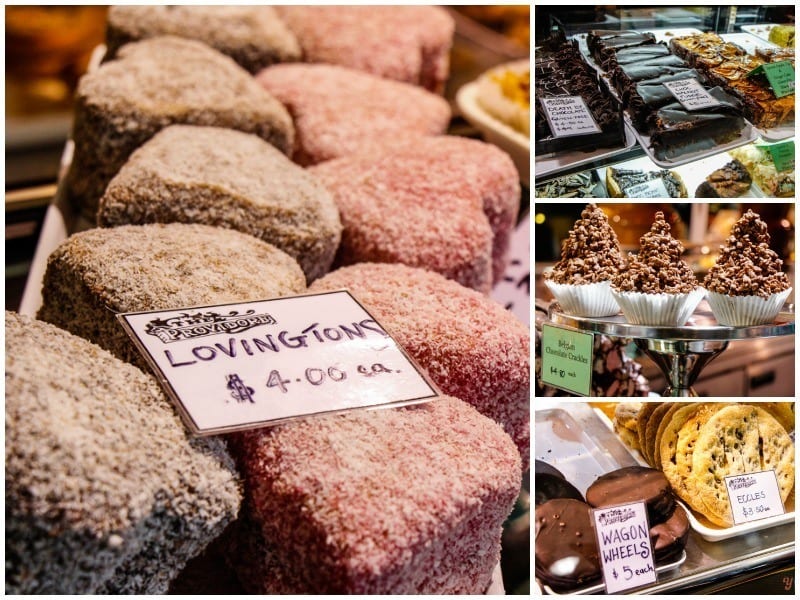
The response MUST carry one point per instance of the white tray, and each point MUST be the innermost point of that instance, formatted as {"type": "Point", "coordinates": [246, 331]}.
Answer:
{"type": "Point", "coordinates": [760, 30]}
{"type": "Point", "coordinates": [706, 530]}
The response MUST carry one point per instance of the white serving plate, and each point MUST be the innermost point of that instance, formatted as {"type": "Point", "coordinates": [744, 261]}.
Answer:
{"type": "Point", "coordinates": [515, 143]}
{"type": "Point", "coordinates": [704, 528]}
{"type": "Point", "coordinates": [760, 30]}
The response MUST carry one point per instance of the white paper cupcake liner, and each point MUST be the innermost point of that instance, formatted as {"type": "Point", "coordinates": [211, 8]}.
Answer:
{"type": "Point", "coordinates": [745, 311]}
{"type": "Point", "coordinates": [667, 310]}
{"type": "Point", "coordinates": [586, 300]}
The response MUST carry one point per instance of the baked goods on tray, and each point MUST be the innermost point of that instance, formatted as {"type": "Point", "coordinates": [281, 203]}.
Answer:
{"type": "Point", "coordinates": [639, 69]}
{"type": "Point", "coordinates": [561, 72]}
{"type": "Point", "coordinates": [226, 178]}
{"type": "Point", "coordinates": [700, 443]}
{"type": "Point", "coordinates": [154, 83]}
{"type": "Point", "coordinates": [620, 181]}
{"type": "Point", "coordinates": [727, 65]}
{"type": "Point", "coordinates": [339, 111]}
{"type": "Point", "coordinates": [436, 321]}
{"type": "Point", "coordinates": [105, 490]}
{"type": "Point", "coordinates": [505, 93]}
{"type": "Point", "coordinates": [761, 167]}
{"type": "Point", "coordinates": [444, 203]}
{"type": "Point", "coordinates": [396, 501]}
{"type": "Point", "coordinates": [405, 43]}
{"type": "Point", "coordinates": [254, 36]}
{"type": "Point", "coordinates": [729, 181]}
{"type": "Point", "coordinates": [96, 273]}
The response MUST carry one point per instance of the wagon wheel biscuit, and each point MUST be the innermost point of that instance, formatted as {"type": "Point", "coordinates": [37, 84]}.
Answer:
{"type": "Point", "coordinates": [687, 438]}
{"type": "Point", "coordinates": [728, 444]}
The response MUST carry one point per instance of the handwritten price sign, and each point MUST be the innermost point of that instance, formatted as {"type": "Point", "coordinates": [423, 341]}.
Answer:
{"type": "Point", "coordinates": [248, 365]}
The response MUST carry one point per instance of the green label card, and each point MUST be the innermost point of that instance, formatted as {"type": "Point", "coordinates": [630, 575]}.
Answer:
{"type": "Point", "coordinates": [567, 359]}
{"type": "Point", "coordinates": [780, 76]}
{"type": "Point", "coordinates": [782, 155]}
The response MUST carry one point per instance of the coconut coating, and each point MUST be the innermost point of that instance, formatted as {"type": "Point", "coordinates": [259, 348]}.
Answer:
{"type": "Point", "coordinates": [100, 472]}
{"type": "Point", "coordinates": [337, 110]}
{"type": "Point", "coordinates": [154, 83]}
{"type": "Point", "coordinates": [254, 36]}
{"type": "Point", "coordinates": [393, 501]}
{"type": "Point", "coordinates": [444, 203]}
{"type": "Point", "coordinates": [404, 43]}
{"type": "Point", "coordinates": [96, 273]}
{"type": "Point", "coordinates": [472, 347]}
{"type": "Point", "coordinates": [230, 179]}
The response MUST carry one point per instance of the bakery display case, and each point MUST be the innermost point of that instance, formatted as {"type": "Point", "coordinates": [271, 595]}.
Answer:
{"type": "Point", "coordinates": [692, 102]}
{"type": "Point", "coordinates": [589, 456]}
{"type": "Point", "coordinates": [697, 330]}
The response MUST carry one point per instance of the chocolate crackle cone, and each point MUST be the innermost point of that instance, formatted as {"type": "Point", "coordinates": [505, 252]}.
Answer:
{"type": "Point", "coordinates": [658, 288]}
{"type": "Point", "coordinates": [590, 258]}
{"type": "Point", "coordinates": [747, 286]}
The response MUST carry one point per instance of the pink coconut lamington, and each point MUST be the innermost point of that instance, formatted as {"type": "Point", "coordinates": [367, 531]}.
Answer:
{"type": "Point", "coordinates": [591, 253]}
{"type": "Point", "coordinates": [444, 203]}
{"type": "Point", "coordinates": [336, 110]}
{"type": "Point", "coordinates": [405, 43]}
{"type": "Point", "coordinates": [747, 266]}
{"type": "Point", "coordinates": [394, 501]}
{"type": "Point", "coordinates": [658, 267]}
{"type": "Point", "coordinates": [472, 347]}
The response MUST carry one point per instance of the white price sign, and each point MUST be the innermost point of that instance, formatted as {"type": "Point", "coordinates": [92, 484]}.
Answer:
{"type": "Point", "coordinates": [691, 94]}
{"type": "Point", "coordinates": [649, 189]}
{"type": "Point", "coordinates": [754, 496]}
{"type": "Point", "coordinates": [247, 365]}
{"type": "Point", "coordinates": [568, 115]}
{"type": "Point", "coordinates": [626, 553]}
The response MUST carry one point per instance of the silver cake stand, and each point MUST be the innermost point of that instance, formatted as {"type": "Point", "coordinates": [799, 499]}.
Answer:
{"type": "Point", "coordinates": [680, 352]}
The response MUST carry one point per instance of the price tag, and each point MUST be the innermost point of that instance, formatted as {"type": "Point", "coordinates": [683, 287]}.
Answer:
{"type": "Point", "coordinates": [626, 554]}
{"type": "Point", "coordinates": [567, 359]}
{"type": "Point", "coordinates": [782, 155]}
{"type": "Point", "coordinates": [251, 364]}
{"type": "Point", "coordinates": [568, 115]}
{"type": "Point", "coordinates": [754, 496]}
{"type": "Point", "coordinates": [691, 94]}
{"type": "Point", "coordinates": [649, 189]}
{"type": "Point", "coordinates": [780, 76]}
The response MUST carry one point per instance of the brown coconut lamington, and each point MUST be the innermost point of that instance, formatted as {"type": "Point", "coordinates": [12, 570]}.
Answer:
{"type": "Point", "coordinates": [747, 266]}
{"type": "Point", "coordinates": [394, 501]}
{"type": "Point", "coordinates": [591, 253]}
{"type": "Point", "coordinates": [254, 36]}
{"type": "Point", "coordinates": [152, 84]}
{"type": "Point", "coordinates": [658, 267]}
{"type": "Point", "coordinates": [105, 491]}
{"type": "Point", "coordinates": [95, 274]}
{"type": "Point", "coordinates": [226, 178]}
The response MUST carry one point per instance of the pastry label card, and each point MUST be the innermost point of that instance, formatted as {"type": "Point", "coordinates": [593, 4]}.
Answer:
{"type": "Point", "coordinates": [754, 496]}
{"type": "Point", "coordinates": [691, 94]}
{"type": "Point", "coordinates": [623, 539]}
{"type": "Point", "coordinates": [654, 188]}
{"type": "Point", "coordinates": [567, 359]}
{"type": "Point", "coordinates": [780, 76]}
{"type": "Point", "coordinates": [253, 364]}
{"type": "Point", "coordinates": [568, 115]}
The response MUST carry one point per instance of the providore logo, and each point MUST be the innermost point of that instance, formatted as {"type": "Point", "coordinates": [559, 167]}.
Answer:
{"type": "Point", "coordinates": [186, 326]}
